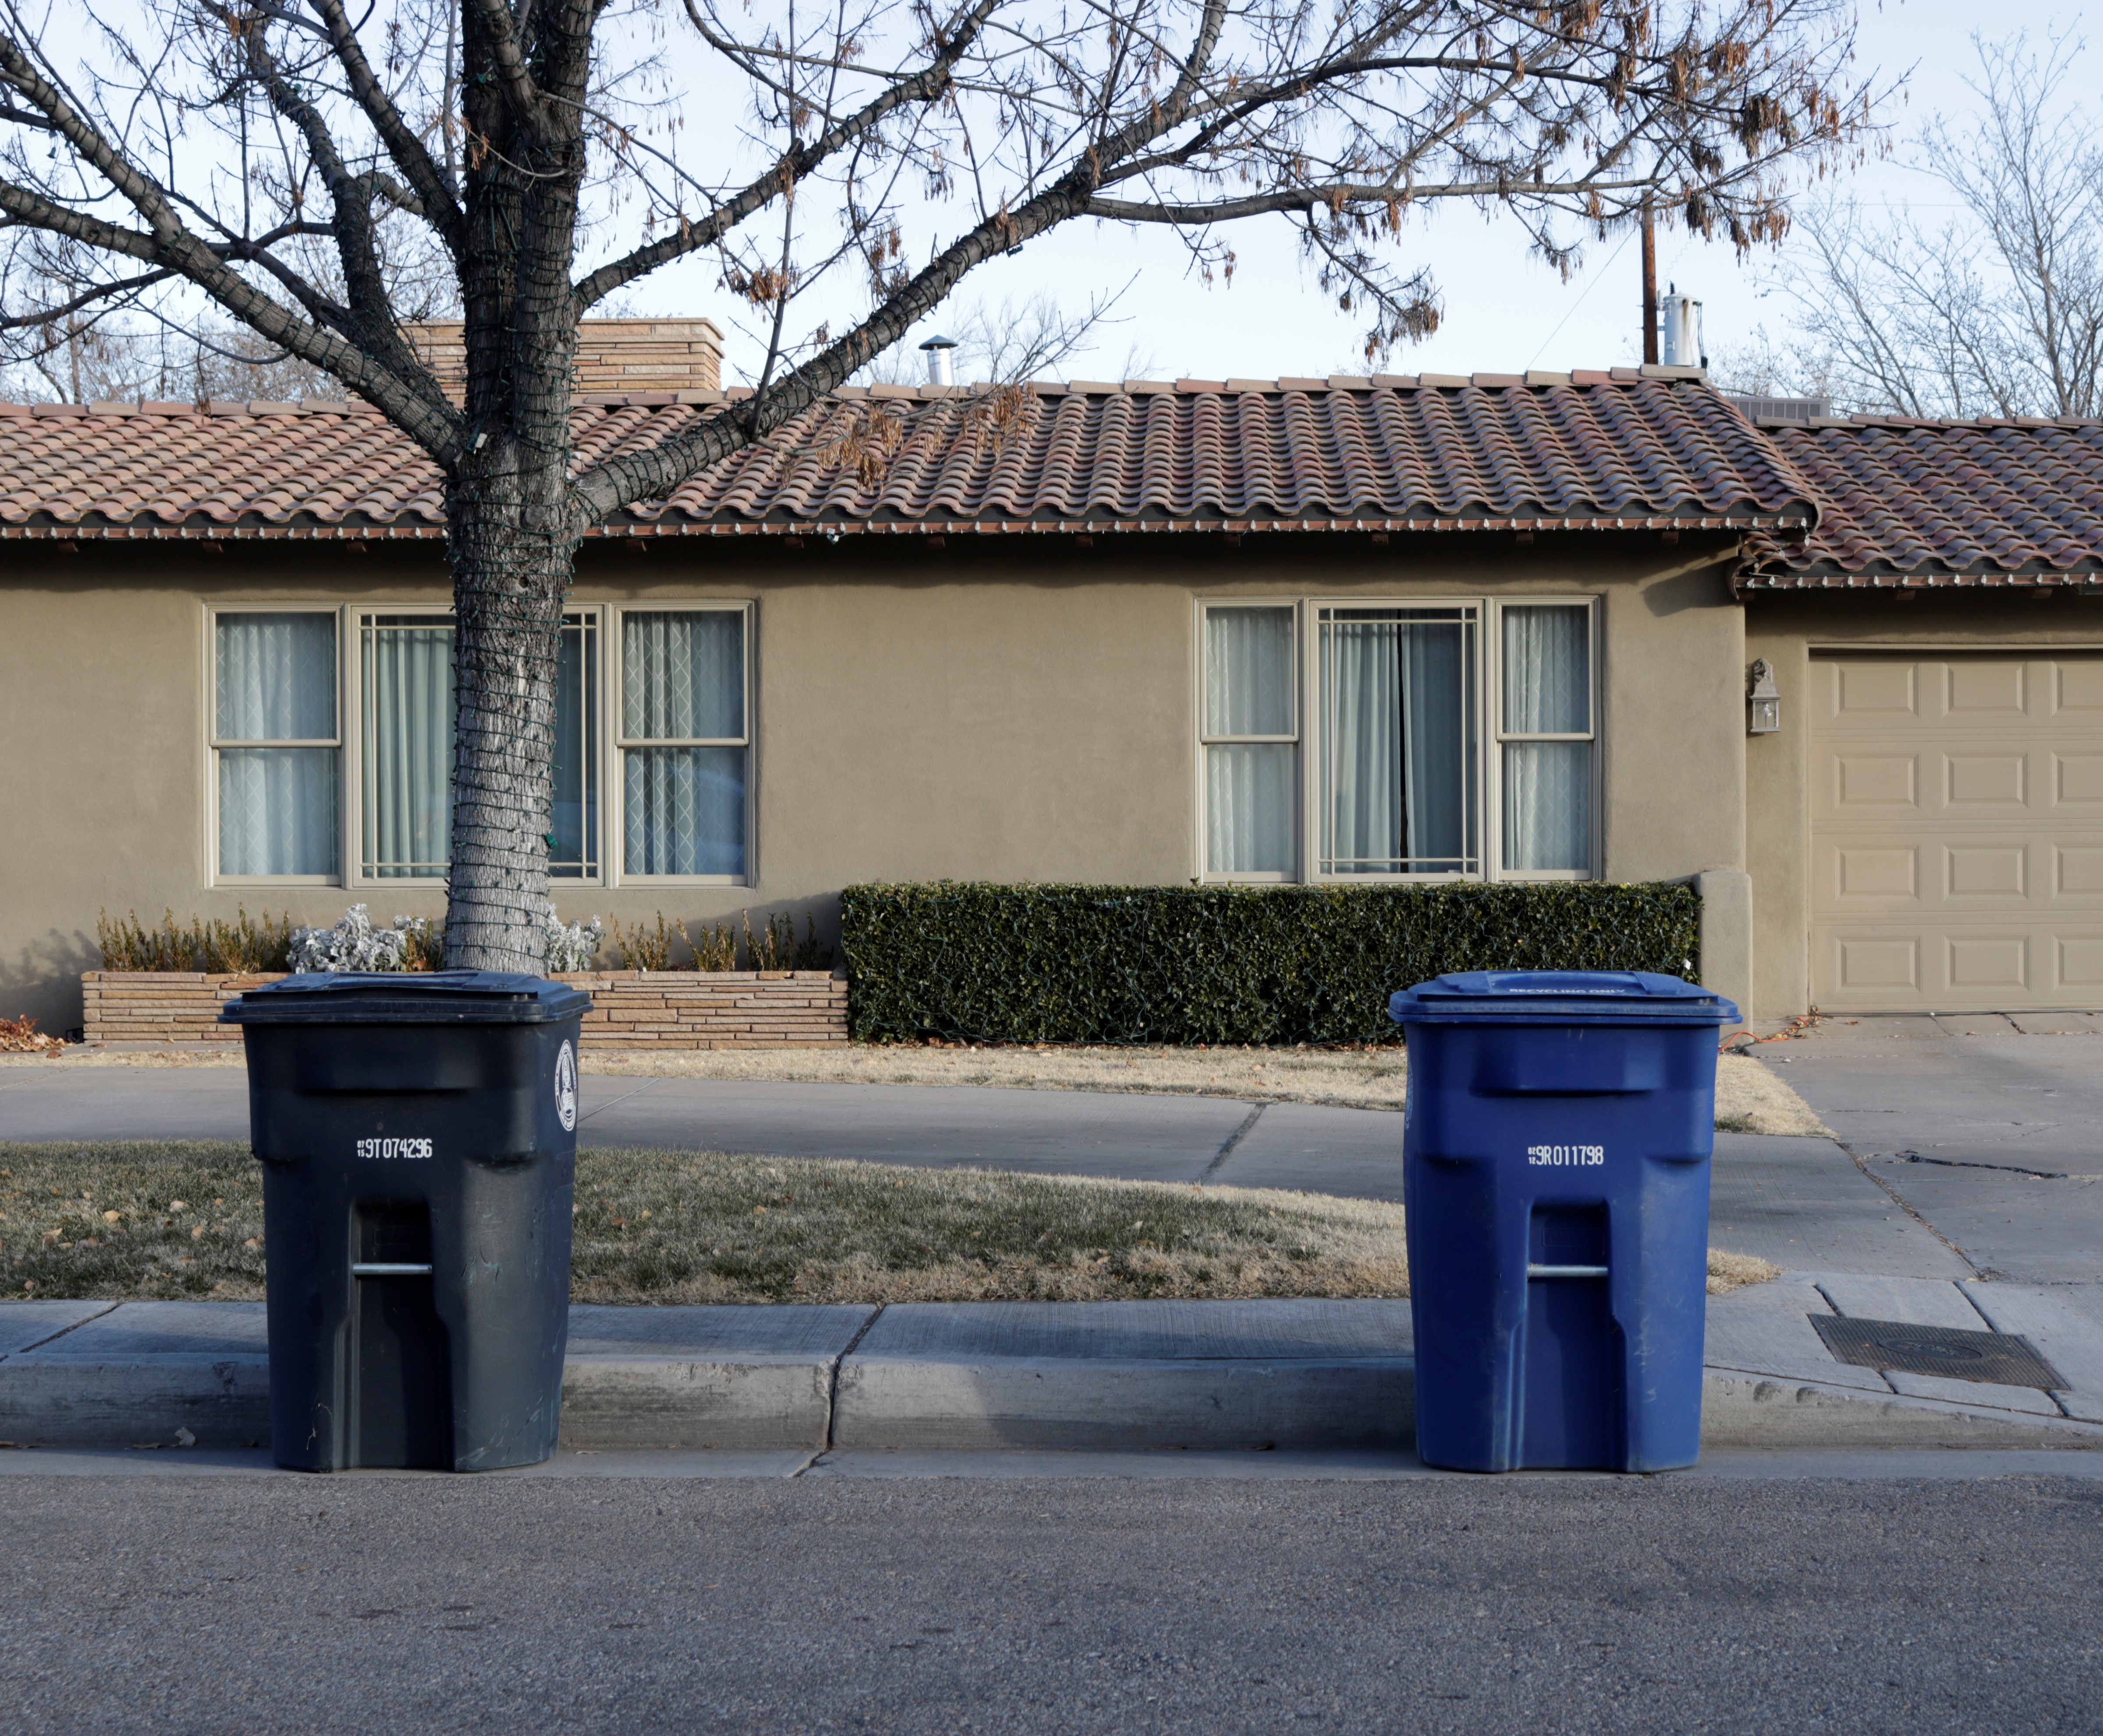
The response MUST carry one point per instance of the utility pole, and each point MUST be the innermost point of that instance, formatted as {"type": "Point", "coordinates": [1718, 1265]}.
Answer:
{"type": "Point", "coordinates": [1650, 280]}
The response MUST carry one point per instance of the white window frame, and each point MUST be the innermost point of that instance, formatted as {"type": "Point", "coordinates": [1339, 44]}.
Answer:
{"type": "Point", "coordinates": [1208, 606]}
{"type": "Point", "coordinates": [1485, 827]}
{"type": "Point", "coordinates": [597, 643]}
{"type": "Point", "coordinates": [213, 742]}
{"type": "Point", "coordinates": [1497, 736]}
{"type": "Point", "coordinates": [613, 864]}
{"type": "Point", "coordinates": [1490, 736]}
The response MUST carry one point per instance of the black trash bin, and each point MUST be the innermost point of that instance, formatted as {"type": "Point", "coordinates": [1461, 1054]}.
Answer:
{"type": "Point", "coordinates": [419, 1136]}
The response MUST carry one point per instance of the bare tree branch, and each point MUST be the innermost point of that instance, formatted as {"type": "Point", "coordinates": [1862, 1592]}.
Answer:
{"type": "Point", "coordinates": [923, 85]}
{"type": "Point", "coordinates": [441, 205]}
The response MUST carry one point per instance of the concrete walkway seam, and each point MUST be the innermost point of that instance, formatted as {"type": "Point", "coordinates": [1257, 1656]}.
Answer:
{"type": "Point", "coordinates": [1898, 1201]}
{"type": "Point", "coordinates": [1234, 1139]}
{"type": "Point", "coordinates": [833, 1394]}
{"type": "Point", "coordinates": [23, 1350]}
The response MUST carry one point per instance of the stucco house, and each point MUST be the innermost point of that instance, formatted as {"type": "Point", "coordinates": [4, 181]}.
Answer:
{"type": "Point", "coordinates": [1399, 628]}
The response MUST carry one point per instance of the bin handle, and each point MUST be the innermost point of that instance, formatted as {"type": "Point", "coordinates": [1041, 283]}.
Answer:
{"type": "Point", "coordinates": [383, 1269]}
{"type": "Point", "coordinates": [1566, 1272]}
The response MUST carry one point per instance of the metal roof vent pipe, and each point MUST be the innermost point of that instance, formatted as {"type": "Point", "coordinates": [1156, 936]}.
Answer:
{"type": "Point", "coordinates": [1679, 330]}
{"type": "Point", "coordinates": [940, 371]}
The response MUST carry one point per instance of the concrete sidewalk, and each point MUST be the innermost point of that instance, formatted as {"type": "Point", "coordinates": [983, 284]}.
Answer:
{"type": "Point", "coordinates": [1104, 1377]}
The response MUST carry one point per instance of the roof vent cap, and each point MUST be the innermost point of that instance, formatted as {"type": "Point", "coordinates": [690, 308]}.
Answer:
{"type": "Point", "coordinates": [940, 371]}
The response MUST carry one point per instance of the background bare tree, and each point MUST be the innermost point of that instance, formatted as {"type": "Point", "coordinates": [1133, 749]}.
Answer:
{"type": "Point", "coordinates": [1035, 338]}
{"type": "Point", "coordinates": [298, 169]}
{"type": "Point", "coordinates": [1998, 311]}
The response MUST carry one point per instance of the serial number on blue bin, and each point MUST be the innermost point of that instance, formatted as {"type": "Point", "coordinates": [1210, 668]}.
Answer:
{"type": "Point", "coordinates": [1558, 1156]}
{"type": "Point", "coordinates": [383, 1150]}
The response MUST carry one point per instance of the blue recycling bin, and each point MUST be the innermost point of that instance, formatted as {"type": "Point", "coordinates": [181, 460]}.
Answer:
{"type": "Point", "coordinates": [1555, 1174]}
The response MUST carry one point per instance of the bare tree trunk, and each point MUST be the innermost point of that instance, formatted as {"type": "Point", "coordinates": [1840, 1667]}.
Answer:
{"type": "Point", "coordinates": [510, 522]}
{"type": "Point", "coordinates": [512, 559]}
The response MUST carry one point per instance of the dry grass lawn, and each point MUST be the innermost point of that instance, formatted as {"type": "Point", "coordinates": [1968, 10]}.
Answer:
{"type": "Point", "coordinates": [184, 1221]}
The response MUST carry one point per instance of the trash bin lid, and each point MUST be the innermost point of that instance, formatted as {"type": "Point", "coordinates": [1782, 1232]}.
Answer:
{"type": "Point", "coordinates": [1560, 998]}
{"type": "Point", "coordinates": [416, 997]}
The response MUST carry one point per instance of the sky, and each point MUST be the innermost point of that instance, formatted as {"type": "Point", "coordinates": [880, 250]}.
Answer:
{"type": "Point", "coordinates": [1503, 310]}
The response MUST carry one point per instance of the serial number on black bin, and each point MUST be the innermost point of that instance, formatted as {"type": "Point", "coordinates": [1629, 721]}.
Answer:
{"type": "Point", "coordinates": [383, 1151]}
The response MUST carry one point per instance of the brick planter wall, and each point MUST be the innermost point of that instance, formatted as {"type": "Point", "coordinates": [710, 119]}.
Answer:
{"type": "Point", "coordinates": [630, 1009]}
{"type": "Point", "coordinates": [713, 1009]}
{"type": "Point", "coordinates": [160, 1006]}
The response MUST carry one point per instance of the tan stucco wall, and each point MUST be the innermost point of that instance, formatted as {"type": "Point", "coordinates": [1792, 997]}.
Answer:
{"type": "Point", "coordinates": [1025, 710]}
{"type": "Point", "coordinates": [1786, 630]}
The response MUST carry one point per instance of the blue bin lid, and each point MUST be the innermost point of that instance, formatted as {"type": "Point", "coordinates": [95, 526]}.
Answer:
{"type": "Point", "coordinates": [414, 997]}
{"type": "Point", "coordinates": [1560, 998]}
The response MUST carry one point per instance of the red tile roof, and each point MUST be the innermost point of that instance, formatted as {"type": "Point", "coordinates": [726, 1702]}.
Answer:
{"type": "Point", "coordinates": [1594, 450]}
{"type": "Point", "coordinates": [1906, 504]}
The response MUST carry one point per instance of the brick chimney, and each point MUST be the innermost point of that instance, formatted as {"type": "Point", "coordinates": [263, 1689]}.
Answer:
{"type": "Point", "coordinates": [615, 356]}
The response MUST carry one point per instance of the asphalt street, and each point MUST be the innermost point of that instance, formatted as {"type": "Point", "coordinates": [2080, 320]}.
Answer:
{"type": "Point", "coordinates": [1563, 1605]}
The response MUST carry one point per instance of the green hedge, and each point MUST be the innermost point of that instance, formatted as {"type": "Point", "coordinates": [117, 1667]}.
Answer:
{"type": "Point", "coordinates": [1063, 964]}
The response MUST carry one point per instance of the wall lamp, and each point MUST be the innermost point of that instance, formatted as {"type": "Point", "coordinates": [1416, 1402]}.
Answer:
{"type": "Point", "coordinates": [1762, 699]}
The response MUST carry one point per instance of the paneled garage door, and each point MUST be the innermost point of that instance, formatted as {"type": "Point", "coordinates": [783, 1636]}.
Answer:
{"type": "Point", "coordinates": [1957, 832]}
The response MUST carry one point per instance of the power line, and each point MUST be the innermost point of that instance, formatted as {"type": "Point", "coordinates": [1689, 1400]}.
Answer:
{"type": "Point", "coordinates": [1580, 302]}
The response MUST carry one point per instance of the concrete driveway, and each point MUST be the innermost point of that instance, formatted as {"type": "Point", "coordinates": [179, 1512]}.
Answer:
{"type": "Point", "coordinates": [1991, 1137]}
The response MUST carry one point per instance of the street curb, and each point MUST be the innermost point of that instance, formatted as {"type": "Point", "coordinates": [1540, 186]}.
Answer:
{"type": "Point", "coordinates": [1100, 1405]}
{"type": "Point", "coordinates": [612, 1403]}
{"type": "Point", "coordinates": [1769, 1410]}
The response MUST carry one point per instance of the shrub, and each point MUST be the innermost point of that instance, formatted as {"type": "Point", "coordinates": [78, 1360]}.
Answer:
{"type": "Point", "coordinates": [243, 946]}
{"type": "Point", "coordinates": [355, 944]}
{"type": "Point", "coordinates": [713, 949]}
{"type": "Point", "coordinates": [572, 946]}
{"type": "Point", "coordinates": [640, 949]}
{"type": "Point", "coordinates": [777, 948]}
{"type": "Point", "coordinates": [417, 944]}
{"type": "Point", "coordinates": [774, 948]}
{"type": "Point", "coordinates": [1071, 964]}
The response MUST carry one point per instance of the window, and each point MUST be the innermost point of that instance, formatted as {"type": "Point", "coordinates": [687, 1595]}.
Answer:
{"type": "Point", "coordinates": [1547, 732]}
{"type": "Point", "coordinates": [1398, 774]}
{"type": "Point", "coordinates": [684, 742]}
{"type": "Point", "coordinates": [1251, 741]}
{"type": "Point", "coordinates": [573, 841]}
{"type": "Point", "coordinates": [275, 744]}
{"type": "Point", "coordinates": [405, 748]}
{"type": "Point", "coordinates": [1383, 772]}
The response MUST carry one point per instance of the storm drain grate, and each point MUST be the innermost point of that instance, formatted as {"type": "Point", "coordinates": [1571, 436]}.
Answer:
{"type": "Point", "coordinates": [2001, 1358]}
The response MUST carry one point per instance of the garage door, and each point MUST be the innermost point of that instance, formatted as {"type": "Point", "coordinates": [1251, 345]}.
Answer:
{"type": "Point", "coordinates": [1957, 832]}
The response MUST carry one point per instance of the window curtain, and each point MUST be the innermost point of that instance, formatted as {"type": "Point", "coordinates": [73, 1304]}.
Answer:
{"type": "Point", "coordinates": [1249, 807]}
{"type": "Point", "coordinates": [1248, 785]}
{"type": "Point", "coordinates": [1362, 674]}
{"type": "Point", "coordinates": [275, 681]}
{"type": "Point", "coordinates": [1547, 784]}
{"type": "Point", "coordinates": [684, 675]}
{"type": "Point", "coordinates": [1435, 764]}
{"type": "Point", "coordinates": [409, 751]}
{"type": "Point", "coordinates": [1397, 750]}
{"type": "Point", "coordinates": [684, 807]}
{"type": "Point", "coordinates": [575, 830]}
